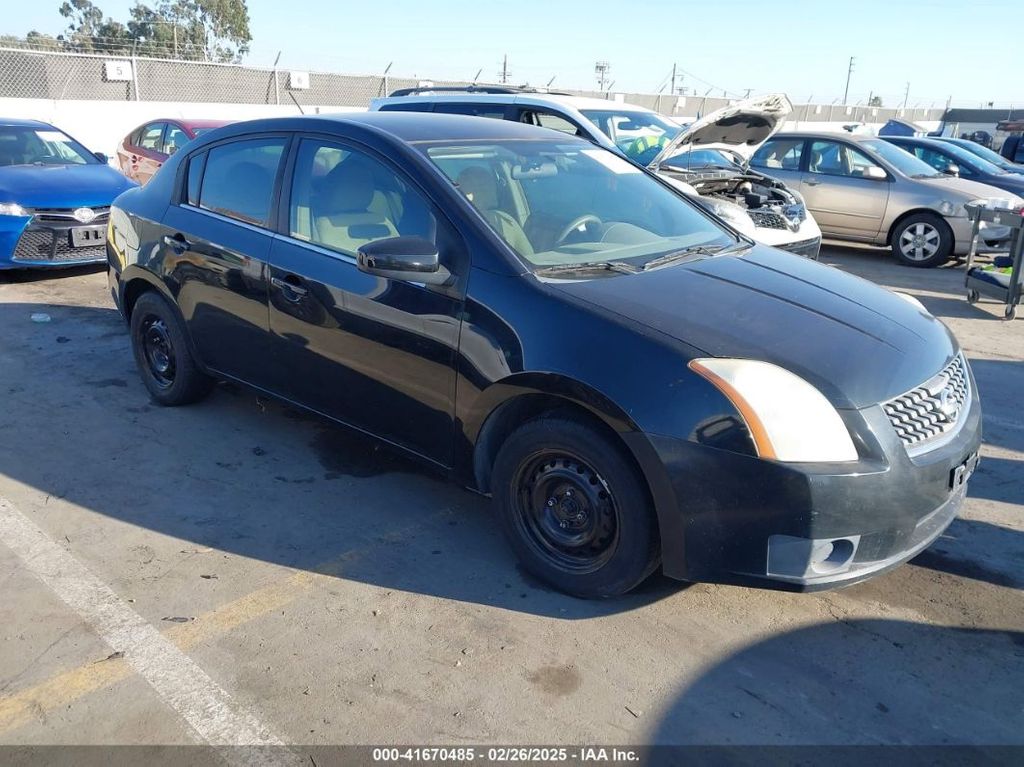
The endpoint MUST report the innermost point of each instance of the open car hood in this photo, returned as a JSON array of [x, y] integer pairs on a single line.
[[742, 127]]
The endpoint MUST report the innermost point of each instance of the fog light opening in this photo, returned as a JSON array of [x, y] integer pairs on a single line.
[[832, 556]]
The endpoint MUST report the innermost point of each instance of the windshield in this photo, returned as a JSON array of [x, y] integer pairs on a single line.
[[900, 159], [980, 151], [41, 146], [638, 135], [568, 204]]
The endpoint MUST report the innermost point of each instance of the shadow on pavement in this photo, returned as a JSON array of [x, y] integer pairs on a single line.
[[245, 475], [857, 681]]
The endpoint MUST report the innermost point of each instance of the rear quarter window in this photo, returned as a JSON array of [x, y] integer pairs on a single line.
[[195, 177], [238, 179]]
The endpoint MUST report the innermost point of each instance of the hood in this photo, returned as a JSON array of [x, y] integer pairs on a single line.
[[61, 186], [858, 343], [974, 190], [742, 127]]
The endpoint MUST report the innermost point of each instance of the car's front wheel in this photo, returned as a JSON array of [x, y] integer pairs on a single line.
[[574, 508], [922, 240], [162, 353]]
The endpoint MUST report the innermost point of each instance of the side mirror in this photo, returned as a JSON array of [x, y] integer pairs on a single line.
[[875, 173], [101, 157], [951, 170], [412, 259]]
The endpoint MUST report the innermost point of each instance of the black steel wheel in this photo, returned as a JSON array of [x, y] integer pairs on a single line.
[[575, 508], [158, 350], [566, 509], [163, 355]]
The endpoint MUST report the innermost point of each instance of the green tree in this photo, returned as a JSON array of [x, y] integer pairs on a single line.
[[214, 30], [875, 101]]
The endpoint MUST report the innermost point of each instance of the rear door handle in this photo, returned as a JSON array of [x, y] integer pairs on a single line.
[[177, 243], [291, 286]]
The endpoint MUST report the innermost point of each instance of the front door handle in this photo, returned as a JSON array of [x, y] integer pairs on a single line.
[[291, 286], [812, 182], [177, 243]]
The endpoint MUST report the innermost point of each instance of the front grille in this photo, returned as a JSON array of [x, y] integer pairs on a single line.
[[42, 244], [67, 215], [923, 415], [765, 219]]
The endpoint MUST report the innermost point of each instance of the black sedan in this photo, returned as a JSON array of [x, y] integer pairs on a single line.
[[633, 382], [949, 158]]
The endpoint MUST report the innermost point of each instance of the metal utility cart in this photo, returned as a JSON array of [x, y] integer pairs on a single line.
[[1002, 287]]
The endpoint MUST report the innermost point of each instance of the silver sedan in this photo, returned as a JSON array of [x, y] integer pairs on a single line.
[[864, 189]]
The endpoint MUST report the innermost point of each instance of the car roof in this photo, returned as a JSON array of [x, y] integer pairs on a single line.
[[193, 124], [524, 97], [404, 126], [14, 122], [846, 135]]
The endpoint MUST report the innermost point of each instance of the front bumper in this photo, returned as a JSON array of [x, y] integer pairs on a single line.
[[29, 243], [739, 513], [993, 239]]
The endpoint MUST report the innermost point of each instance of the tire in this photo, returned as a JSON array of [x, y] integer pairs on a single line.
[[163, 355], [923, 240], [574, 508], [973, 296]]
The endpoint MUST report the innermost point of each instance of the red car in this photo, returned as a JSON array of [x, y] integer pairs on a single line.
[[141, 153]]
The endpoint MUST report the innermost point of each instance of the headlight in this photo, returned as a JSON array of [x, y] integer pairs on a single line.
[[788, 418], [735, 215], [12, 209]]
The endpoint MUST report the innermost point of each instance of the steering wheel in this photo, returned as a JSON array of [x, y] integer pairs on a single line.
[[577, 223]]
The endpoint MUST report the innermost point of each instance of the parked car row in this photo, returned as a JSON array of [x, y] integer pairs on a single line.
[[636, 383]]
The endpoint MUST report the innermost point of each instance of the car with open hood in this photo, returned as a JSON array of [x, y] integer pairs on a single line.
[[55, 197], [634, 384], [706, 159], [862, 188]]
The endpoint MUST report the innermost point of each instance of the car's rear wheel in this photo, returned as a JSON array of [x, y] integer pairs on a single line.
[[162, 353], [574, 508], [922, 240]]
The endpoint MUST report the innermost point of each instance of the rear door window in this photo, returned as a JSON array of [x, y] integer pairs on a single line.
[[496, 111], [239, 178], [549, 120], [174, 139]]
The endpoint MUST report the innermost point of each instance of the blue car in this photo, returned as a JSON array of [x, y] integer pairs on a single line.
[[55, 197]]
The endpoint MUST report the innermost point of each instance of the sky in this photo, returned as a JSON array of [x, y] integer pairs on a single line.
[[969, 50]]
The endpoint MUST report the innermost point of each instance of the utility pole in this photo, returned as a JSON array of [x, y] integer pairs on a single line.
[[601, 69], [747, 94], [503, 75], [672, 90], [849, 72], [906, 95]]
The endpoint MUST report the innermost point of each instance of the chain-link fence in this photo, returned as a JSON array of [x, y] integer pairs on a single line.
[[58, 75]]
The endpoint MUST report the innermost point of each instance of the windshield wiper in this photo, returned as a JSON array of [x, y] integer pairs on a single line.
[[589, 266], [681, 255]]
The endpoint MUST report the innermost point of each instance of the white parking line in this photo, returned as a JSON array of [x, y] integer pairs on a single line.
[[179, 681]]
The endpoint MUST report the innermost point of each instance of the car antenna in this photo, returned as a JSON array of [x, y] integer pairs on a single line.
[[297, 104]]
